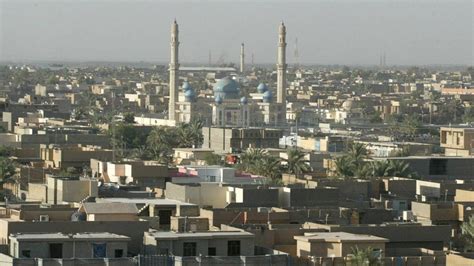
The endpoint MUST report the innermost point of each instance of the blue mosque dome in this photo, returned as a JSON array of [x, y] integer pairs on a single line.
[[227, 88], [267, 96], [186, 86], [218, 99], [262, 87], [244, 100], [189, 95]]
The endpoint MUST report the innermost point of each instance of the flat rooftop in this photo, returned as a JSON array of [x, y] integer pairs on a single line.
[[155, 201], [169, 235], [339, 237], [66, 237]]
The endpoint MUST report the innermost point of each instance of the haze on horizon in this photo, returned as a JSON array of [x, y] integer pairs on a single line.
[[329, 32]]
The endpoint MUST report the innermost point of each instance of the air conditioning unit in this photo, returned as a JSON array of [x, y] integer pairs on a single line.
[[44, 218]]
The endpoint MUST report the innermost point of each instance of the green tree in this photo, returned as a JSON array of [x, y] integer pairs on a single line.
[[468, 116], [296, 163], [127, 136], [357, 152], [380, 168], [467, 229], [364, 257], [190, 134], [5, 151], [344, 167], [400, 168], [160, 143], [129, 118], [267, 166], [410, 126], [250, 157], [213, 159], [7, 169]]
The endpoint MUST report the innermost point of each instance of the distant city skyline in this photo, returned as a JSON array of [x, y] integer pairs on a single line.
[[328, 32]]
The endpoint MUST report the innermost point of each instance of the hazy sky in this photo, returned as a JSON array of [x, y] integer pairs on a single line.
[[329, 32]]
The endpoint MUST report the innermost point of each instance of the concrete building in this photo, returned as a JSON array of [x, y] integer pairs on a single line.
[[336, 244], [62, 246], [111, 211], [203, 194], [63, 223], [140, 173], [227, 140], [186, 156], [440, 167], [457, 141], [58, 190], [213, 174], [72, 156], [319, 196], [211, 243], [388, 149], [159, 212], [401, 235]]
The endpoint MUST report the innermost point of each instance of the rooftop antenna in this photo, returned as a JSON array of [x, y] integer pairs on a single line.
[[252, 60]]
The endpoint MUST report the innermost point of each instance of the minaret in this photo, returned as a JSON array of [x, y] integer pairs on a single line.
[[281, 65], [174, 67], [242, 57]]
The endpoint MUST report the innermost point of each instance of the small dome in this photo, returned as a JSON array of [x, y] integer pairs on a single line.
[[267, 96], [244, 100], [227, 88], [218, 99], [262, 87], [186, 86], [189, 95]]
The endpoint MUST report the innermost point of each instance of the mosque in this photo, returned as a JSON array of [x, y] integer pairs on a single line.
[[230, 108]]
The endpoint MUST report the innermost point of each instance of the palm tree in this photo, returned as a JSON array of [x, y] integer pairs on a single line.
[[364, 257], [357, 152], [399, 168], [344, 167], [296, 163], [160, 143], [250, 157], [467, 229], [267, 166], [195, 126], [380, 168], [185, 136]]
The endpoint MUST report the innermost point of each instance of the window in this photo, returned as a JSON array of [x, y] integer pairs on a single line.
[[233, 248], [189, 249], [99, 250], [211, 251], [56, 250], [118, 253], [26, 253]]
